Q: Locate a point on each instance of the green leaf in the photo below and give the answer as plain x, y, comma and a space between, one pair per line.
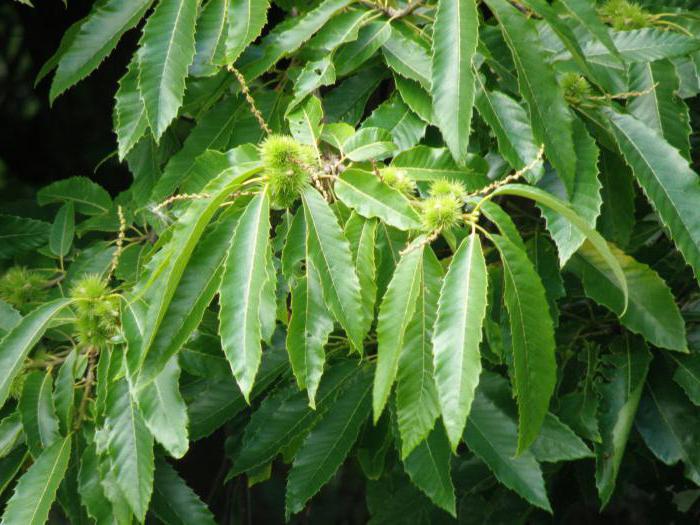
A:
341, 29
406, 128
585, 199
212, 132
305, 122
369, 40
660, 108
240, 293
510, 123
549, 114
313, 75
130, 121
285, 415
329, 252
92, 495
346, 103
370, 197
532, 339
38, 412
10, 465
638, 45
166, 269
416, 98
11, 434
687, 375
130, 448
492, 435
624, 375
455, 35
667, 180
211, 403
585, 14
16, 345
210, 38
246, 19
651, 309
329, 442
309, 328
198, 286
9, 317
19, 235
362, 234
416, 394
89, 197
669, 423
36, 490
596, 240
62, 230
407, 55
557, 442
164, 410
457, 335
369, 144
95, 40
423, 163
428, 466
616, 219
287, 37
395, 314
167, 50
174, 502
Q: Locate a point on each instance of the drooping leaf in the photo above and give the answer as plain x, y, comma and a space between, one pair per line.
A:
210, 38
395, 314
36, 491
455, 35
417, 404
38, 413
687, 375
370, 197
129, 448
651, 309
328, 443
167, 50
557, 442
369, 40
92, 494
17, 344
492, 435
285, 415
329, 252
164, 410
130, 122
309, 328
241, 292
96, 38
669, 183
616, 219
428, 466
458, 333
624, 376
532, 339
174, 502
11, 433
669, 423
196, 289
362, 234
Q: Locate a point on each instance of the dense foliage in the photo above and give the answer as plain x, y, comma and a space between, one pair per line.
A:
446, 248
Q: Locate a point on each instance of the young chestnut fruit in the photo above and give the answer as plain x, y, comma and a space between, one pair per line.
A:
397, 179
21, 288
443, 208
287, 165
624, 15
96, 311
576, 88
